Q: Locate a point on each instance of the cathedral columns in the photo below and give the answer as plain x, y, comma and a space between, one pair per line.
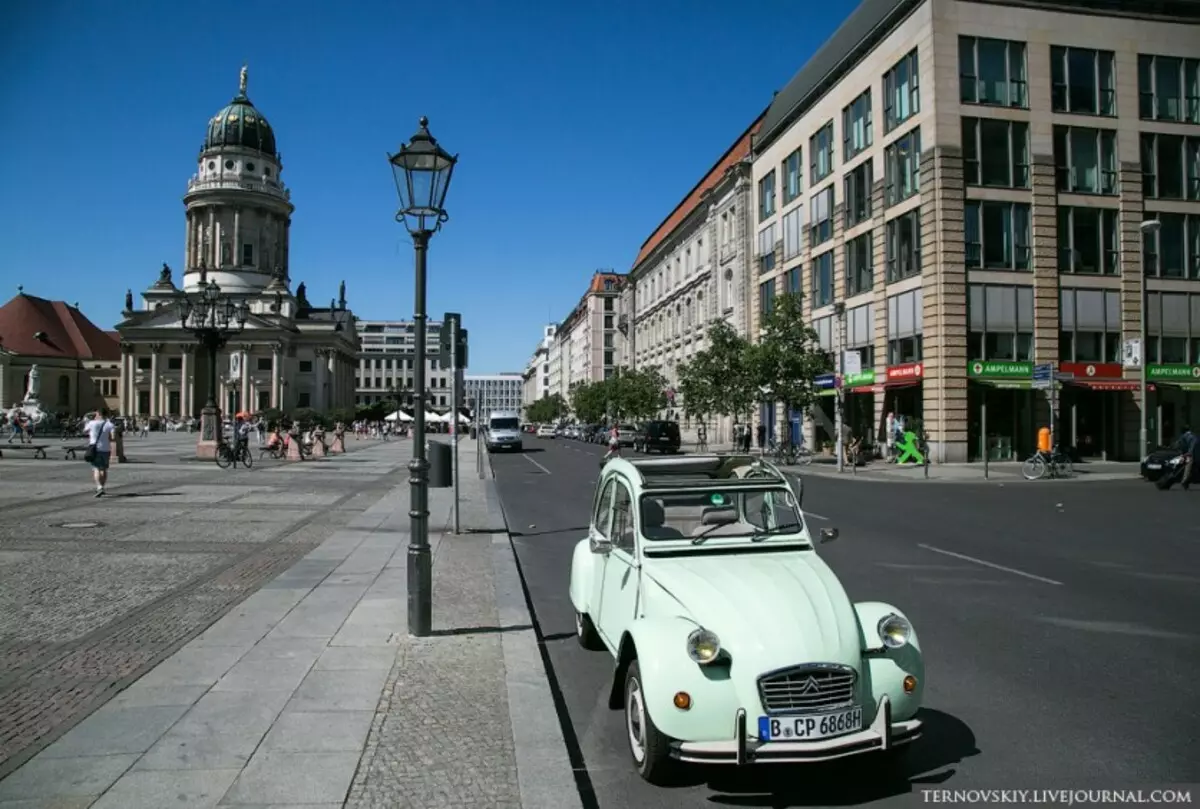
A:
237, 236
246, 403
185, 380
287, 241
276, 360
155, 404
211, 259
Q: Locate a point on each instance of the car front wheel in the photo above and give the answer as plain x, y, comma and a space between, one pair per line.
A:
586, 634
649, 747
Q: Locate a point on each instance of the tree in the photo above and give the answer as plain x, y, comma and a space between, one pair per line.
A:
636, 394
722, 379
589, 400
547, 409
789, 355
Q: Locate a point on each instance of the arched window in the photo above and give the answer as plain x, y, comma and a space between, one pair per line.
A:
64, 391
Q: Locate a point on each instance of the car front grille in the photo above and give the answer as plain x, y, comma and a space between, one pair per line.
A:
811, 688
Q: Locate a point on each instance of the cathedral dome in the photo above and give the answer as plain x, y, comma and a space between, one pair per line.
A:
240, 124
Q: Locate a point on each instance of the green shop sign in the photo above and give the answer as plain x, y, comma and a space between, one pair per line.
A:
859, 380
979, 369
1173, 373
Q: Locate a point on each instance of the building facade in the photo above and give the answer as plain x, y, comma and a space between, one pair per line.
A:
691, 273
290, 354
79, 364
958, 189
587, 337
494, 391
537, 371
386, 362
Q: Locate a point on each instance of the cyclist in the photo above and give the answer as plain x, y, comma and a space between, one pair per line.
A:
241, 435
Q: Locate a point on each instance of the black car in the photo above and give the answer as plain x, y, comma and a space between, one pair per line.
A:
659, 436
1154, 463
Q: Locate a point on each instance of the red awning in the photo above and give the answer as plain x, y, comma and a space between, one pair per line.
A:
901, 383
1106, 384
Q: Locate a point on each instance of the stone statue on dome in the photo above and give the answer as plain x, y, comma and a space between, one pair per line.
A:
164, 275
302, 296
129, 300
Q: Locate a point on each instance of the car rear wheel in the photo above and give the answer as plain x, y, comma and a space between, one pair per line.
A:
649, 747
586, 634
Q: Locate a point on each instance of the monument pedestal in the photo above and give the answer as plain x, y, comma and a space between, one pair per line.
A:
211, 433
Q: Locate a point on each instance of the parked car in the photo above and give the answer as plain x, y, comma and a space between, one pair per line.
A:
628, 435
659, 436
546, 431
734, 642
1154, 463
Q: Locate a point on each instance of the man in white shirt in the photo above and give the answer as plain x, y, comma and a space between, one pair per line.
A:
99, 437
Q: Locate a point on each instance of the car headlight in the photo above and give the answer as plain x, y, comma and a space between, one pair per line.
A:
703, 646
1176, 461
894, 631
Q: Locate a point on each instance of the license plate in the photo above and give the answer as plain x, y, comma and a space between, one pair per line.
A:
1154, 466
809, 728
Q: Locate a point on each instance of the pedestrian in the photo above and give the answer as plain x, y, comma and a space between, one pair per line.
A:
99, 436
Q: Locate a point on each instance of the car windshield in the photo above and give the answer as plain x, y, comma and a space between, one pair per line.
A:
626, 428
504, 424
752, 514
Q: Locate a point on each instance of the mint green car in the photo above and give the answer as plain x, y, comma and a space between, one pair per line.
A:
734, 642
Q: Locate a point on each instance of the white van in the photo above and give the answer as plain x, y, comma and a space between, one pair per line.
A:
504, 431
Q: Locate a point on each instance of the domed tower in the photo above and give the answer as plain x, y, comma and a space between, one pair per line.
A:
238, 209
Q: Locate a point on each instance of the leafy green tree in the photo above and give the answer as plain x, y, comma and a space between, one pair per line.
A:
546, 409
636, 394
589, 400
789, 355
723, 379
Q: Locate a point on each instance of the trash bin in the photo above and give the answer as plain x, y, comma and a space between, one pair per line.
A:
440, 470
473, 431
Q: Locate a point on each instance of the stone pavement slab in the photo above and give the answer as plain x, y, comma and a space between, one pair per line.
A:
310, 692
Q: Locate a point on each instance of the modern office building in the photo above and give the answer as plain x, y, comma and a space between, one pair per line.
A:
493, 391
387, 362
693, 271
959, 189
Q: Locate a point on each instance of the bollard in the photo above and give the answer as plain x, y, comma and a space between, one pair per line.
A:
119, 445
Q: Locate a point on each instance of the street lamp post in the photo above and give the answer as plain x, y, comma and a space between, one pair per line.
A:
1150, 229
212, 318
422, 170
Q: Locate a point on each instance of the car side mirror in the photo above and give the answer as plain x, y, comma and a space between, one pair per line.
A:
829, 535
600, 545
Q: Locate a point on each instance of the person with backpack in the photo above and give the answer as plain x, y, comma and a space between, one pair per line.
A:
99, 433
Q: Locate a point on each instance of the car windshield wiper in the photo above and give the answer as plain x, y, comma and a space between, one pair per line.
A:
767, 533
701, 537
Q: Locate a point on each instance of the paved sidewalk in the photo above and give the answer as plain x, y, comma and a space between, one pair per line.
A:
310, 693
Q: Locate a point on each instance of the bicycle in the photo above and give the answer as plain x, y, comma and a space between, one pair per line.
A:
1051, 465
229, 455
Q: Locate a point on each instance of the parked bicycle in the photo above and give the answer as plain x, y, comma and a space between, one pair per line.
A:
1054, 464
787, 454
230, 455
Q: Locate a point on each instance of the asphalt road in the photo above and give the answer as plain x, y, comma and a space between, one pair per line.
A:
1060, 624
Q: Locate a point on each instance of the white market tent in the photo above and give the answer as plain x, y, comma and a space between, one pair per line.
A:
399, 415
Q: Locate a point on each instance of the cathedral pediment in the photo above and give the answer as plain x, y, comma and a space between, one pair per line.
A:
166, 318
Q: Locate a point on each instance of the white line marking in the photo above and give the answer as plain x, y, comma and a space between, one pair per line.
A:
992, 565
535, 463
816, 516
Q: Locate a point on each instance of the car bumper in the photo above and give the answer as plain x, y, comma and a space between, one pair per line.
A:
883, 734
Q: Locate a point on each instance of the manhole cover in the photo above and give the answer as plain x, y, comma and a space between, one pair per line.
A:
80, 525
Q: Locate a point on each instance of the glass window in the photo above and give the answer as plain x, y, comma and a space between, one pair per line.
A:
992, 71
623, 533
858, 265
903, 245
1001, 322
766, 249
1170, 166
1087, 239
791, 177
766, 196
856, 126
766, 298
1173, 328
901, 92
997, 235
1083, 81
820, 151
792, 282
1090, 326
1175, 251
905, 320
822, 279
857, 194
1169, 89
792, 225
1085, 160
820, 217
996, 152
602, 513
902, 168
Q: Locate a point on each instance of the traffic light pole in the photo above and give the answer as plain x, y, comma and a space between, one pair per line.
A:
455, 390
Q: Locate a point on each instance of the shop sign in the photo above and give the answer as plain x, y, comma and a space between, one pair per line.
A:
860, 380
1000, 370
909, 372
1092, 370
1178, 373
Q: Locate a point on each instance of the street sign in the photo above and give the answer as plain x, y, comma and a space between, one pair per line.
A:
1043, 376
851, 362
824, 381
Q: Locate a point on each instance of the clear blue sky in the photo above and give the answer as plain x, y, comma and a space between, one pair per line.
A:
579, 124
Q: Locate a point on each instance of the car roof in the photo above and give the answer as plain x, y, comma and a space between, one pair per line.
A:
695, 471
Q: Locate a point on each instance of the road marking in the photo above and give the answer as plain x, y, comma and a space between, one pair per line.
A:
816, 516
535, 463
992, 565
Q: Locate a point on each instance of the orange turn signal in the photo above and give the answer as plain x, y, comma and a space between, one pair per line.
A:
683, 700
910, 684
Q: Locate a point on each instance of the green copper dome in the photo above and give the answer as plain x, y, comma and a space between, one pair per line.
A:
241, 124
